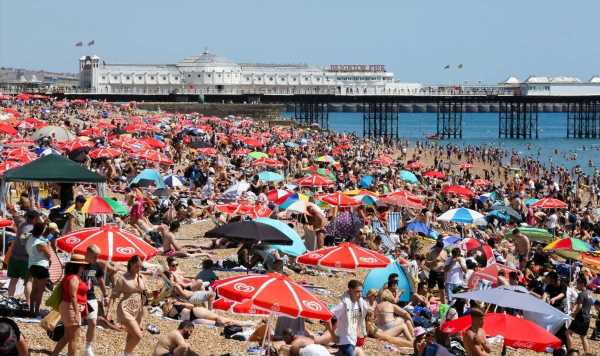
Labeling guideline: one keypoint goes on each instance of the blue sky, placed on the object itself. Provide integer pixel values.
(413, 38)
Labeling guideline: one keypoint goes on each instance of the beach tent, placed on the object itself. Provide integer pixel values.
(376, 278)
(53, 168)
(420, 228)
(297, 248)
(149, 175)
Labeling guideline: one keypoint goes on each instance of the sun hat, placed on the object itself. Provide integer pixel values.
(78, 259)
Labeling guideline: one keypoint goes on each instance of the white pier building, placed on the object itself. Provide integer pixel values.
(211, 74)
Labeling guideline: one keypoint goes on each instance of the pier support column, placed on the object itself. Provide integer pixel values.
(309, 112)
(449, 119)
(518, 120)
(380, 119)
(583, 119)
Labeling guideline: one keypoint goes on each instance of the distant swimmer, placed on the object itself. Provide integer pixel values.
(556, 151)
(590, 163)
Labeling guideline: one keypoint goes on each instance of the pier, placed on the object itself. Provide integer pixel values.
(517, 111)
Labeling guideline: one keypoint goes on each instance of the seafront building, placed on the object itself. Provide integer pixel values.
(208, 73)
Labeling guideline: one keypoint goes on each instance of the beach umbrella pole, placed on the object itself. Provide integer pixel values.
(3, 241)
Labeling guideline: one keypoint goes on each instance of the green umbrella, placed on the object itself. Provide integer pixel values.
(325, 173)
(257, 155)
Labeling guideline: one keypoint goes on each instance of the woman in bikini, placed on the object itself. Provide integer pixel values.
(386, 312)
(397, 335)
(130, 287)
(174, 309)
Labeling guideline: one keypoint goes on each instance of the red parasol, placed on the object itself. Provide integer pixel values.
(115, 244)
(5, 223)
(241, 152)
(415, 165)
(517, 332)
(490, 274)
(459, 190)
(471, 244)
(6, 165)
(154, 143)
(244, 208)
(549, 203)
(243, 308)
(104, 153)
(383, 160)
(155, 156)
(406, 195)
(273, 292)
(7, 129)
(481, 182)
(435, 174)
(339, 199)
(314, 180)
(252, 142)
(207, 151)
(268, 162)
(400, 201)
(76, 144)
(20, 142)
(345, 256)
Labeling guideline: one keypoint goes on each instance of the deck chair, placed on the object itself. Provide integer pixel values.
(388, 243)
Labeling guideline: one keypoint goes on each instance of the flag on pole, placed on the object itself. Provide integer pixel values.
(79, 44)
(447, 66)
(459, 66)
(92, 42)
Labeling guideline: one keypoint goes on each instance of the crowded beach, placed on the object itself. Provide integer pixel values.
(133, 232)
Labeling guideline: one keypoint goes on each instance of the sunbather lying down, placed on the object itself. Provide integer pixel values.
(186, 311)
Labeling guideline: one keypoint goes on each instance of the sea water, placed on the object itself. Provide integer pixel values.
(482, 129)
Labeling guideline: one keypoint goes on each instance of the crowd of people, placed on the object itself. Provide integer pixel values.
(213, 167)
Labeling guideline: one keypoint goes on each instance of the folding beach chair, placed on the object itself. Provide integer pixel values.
(388, 243)
(394, 219)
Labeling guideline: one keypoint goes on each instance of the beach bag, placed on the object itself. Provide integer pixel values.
(50, 321)
(54, 299)
(57, 333)
(229, 330)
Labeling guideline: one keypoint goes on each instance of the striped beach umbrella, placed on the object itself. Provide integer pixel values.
(462, 216)
(569, 247)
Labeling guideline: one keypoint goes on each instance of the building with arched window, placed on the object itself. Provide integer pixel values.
(208, 73)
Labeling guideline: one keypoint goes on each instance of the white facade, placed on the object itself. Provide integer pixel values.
(560, 86)
(212, 74)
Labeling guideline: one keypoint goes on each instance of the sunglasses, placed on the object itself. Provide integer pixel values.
(174, 265)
